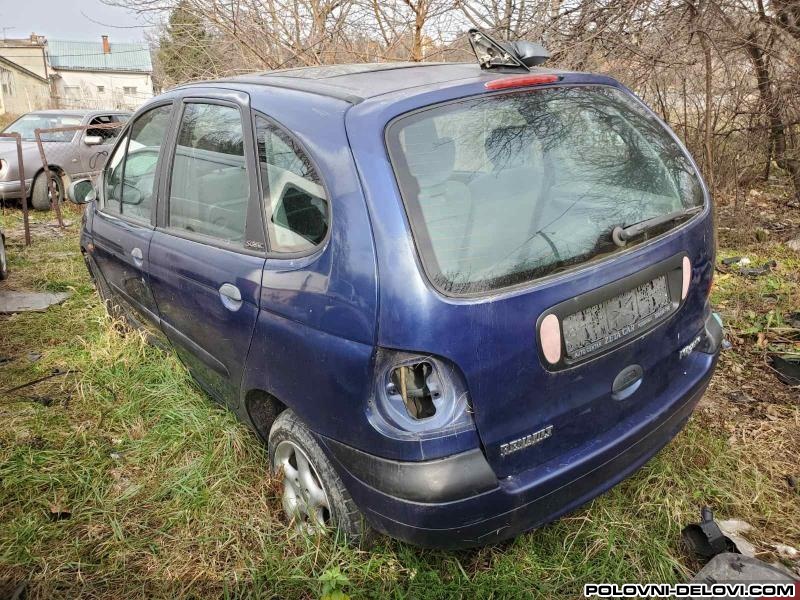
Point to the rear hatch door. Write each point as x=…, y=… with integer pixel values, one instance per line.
x=513, y=199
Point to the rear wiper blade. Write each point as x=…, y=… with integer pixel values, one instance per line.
x=621, y=235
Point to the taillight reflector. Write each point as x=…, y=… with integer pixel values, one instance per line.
x=520, y=81
x=687, y=276
x=550, y=338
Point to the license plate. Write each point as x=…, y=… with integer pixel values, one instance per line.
x=595, y=327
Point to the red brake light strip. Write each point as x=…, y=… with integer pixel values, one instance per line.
x=520, y=81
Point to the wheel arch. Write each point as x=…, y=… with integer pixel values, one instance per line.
x=66, y=179
x=262, y=409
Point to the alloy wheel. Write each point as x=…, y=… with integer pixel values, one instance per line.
x=304, y=497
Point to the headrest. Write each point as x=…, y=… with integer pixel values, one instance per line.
x=430, y=158
x=509, y=147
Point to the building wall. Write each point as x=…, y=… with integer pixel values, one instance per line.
x=29, y=56
x=88, y=89
x=24, y=94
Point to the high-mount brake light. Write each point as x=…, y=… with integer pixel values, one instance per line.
x=520, y=81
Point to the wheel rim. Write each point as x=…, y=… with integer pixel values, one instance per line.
x=304, y=497
x=2, y=257
x=58, y=185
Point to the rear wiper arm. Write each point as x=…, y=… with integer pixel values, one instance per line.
x=621, y=235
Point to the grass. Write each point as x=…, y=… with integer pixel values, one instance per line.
x=121, y=479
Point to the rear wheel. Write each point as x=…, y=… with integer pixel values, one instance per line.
x=314, y=497
x=40, y=195
x=3, y=259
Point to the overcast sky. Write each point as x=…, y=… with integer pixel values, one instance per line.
x=80, y=20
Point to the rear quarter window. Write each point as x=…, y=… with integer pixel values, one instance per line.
x=296, y=206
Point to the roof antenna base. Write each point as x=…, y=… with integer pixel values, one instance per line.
x=491, y=54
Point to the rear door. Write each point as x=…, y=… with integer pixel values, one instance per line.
x=122, y=225
x=207, y=253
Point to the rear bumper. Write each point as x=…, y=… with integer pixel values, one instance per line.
x=452, y=503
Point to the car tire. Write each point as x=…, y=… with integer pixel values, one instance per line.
x=290, y=446
x=3, y=259
x=40, y=194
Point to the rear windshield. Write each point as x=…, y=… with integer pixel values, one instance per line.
x=507, y=188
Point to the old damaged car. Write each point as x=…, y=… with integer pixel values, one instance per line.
x=455, y=300
x=71, y=154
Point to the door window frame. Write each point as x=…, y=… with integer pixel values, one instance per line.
x=114, y=118
x=254, y=236
x=263, y=190
x=124, y=137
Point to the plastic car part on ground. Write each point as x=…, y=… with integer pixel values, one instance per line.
x=731, y=557
x=733, y=529
x=788, y=369
x=729, y=567
x=705, y=539
x=14, y=302
x=741, y=266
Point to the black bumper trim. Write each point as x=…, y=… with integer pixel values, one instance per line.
x=713, y=335
x=442, y=480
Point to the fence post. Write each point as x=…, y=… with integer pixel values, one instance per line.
x=23, y=194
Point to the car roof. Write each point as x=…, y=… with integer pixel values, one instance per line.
x=355, y=83
x=77, y=112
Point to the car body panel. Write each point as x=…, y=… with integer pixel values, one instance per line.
x=321, y=309
x=211, y=339
x=188, y=272
x=493, y=338
x=534, y=497
x=115, y=242
x=313, y=326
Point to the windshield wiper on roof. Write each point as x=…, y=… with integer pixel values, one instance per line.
x=621, y=234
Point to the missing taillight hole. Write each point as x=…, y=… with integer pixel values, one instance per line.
x=417, y=387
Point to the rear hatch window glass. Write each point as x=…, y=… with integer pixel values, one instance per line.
x=504, y=189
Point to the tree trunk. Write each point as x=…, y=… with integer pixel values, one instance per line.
x=777, y=130
x=709, y=105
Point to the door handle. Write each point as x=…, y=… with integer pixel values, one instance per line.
x=138, y=257
x=230, y=296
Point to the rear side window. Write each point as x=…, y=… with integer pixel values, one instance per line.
x=295, y=202
x=210, y=190
x=507, y=188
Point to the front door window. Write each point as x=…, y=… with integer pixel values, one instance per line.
x=130, y=176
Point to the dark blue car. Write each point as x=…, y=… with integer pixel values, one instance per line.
x=456, y=302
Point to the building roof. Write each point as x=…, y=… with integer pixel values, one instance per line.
x=89, y=56
x=12, y=65
x=34, y=41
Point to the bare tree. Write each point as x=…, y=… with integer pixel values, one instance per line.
x=725, y=74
